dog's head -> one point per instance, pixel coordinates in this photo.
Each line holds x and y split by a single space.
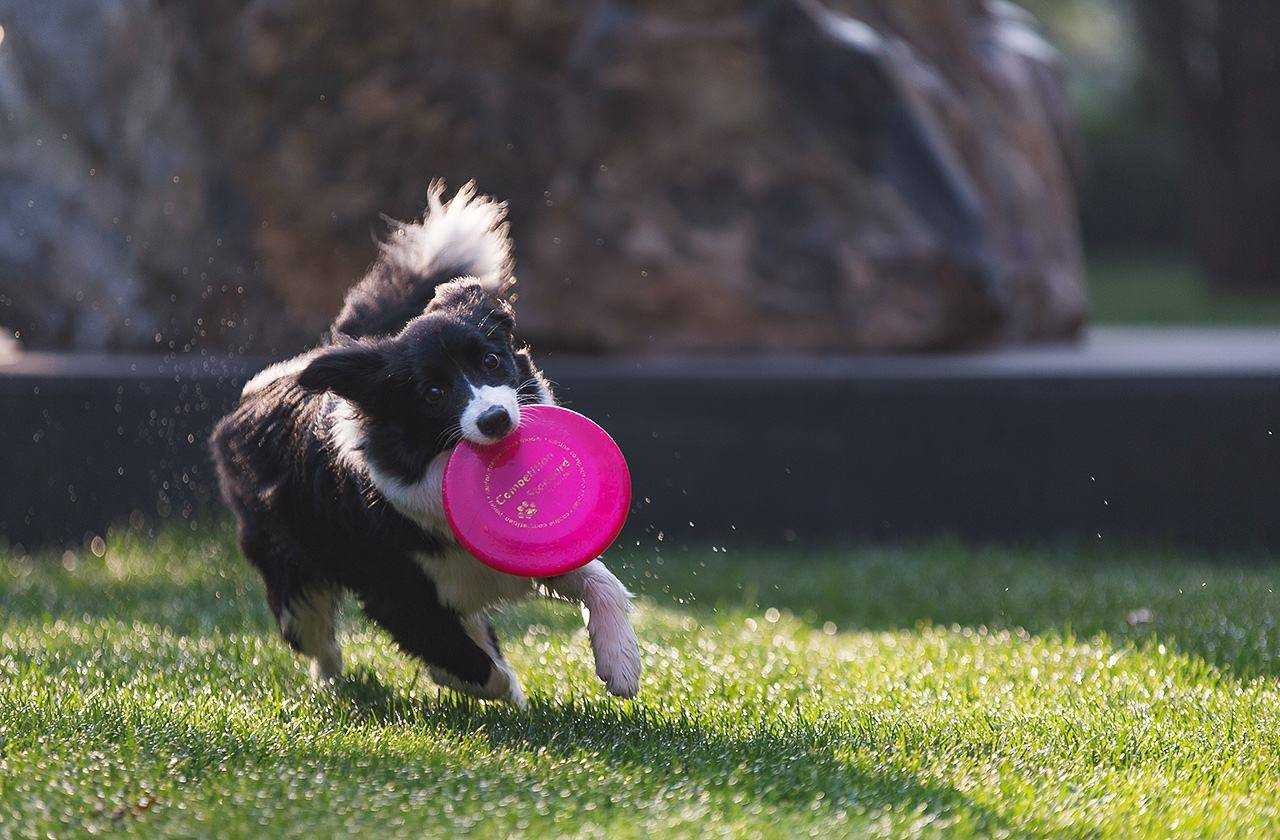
453 372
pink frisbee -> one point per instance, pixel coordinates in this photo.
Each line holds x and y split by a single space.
544 500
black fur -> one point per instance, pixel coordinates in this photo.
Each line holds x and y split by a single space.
310 517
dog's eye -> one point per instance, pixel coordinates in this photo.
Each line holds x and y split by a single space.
491 361
435 394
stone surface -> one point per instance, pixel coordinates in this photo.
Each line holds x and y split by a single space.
118 226
866 175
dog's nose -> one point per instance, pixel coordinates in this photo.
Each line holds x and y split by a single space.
494 421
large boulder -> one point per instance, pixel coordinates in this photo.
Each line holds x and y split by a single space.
867 175
119 227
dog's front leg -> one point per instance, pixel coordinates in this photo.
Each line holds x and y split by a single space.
608 607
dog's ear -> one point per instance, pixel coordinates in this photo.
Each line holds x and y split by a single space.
465 299
351 371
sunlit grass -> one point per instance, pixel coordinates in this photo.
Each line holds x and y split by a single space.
931 691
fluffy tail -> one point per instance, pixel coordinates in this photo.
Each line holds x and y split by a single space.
464 237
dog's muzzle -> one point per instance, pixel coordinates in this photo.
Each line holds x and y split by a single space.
491 415
494 422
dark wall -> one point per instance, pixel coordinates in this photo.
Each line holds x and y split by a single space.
1033 447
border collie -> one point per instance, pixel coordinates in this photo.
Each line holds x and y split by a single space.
332 462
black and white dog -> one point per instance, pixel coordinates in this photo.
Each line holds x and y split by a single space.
332 462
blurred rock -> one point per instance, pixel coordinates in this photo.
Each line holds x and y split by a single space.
868 175
118 226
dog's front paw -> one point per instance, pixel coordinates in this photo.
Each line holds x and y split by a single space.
503 684
606 607
616 650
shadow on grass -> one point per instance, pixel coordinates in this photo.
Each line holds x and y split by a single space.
1223 613
794 764
798 767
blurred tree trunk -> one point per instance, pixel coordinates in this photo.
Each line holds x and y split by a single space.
1223 58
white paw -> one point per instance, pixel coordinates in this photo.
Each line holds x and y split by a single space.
606 607
617 652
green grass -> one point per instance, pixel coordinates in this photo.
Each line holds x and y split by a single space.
1170 290
930 691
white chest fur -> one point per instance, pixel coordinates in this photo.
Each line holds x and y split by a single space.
467 585
464 583
421 501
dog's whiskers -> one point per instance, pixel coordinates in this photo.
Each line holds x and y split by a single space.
449 437
524 397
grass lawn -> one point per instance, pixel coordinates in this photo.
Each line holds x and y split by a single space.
1170 290
929 691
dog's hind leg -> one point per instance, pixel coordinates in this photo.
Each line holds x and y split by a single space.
308 621
306 615
304 607
461 651
480 629
608 607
